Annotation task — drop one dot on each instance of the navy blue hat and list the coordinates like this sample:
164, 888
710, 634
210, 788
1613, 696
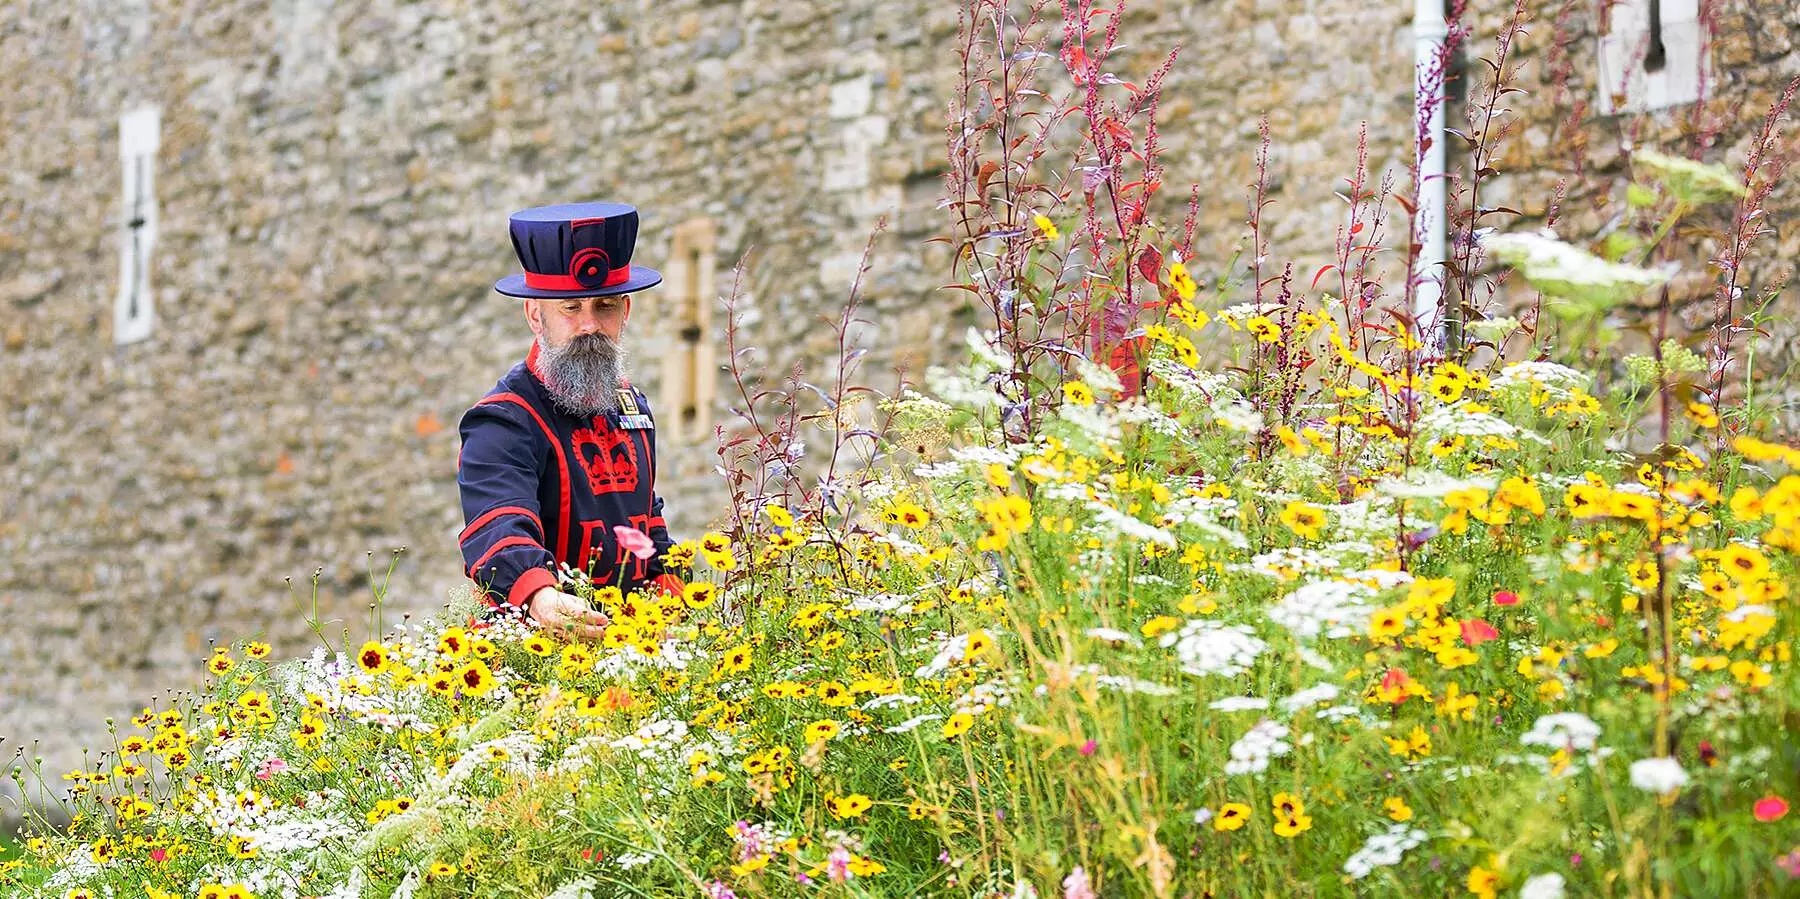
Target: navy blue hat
576, 250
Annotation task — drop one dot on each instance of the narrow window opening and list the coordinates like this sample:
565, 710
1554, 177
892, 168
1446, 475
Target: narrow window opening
1658, 55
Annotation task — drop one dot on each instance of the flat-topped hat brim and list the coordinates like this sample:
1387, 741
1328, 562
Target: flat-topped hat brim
642, 278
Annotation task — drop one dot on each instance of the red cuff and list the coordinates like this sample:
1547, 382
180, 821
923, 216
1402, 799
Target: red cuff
533, 580
670, 584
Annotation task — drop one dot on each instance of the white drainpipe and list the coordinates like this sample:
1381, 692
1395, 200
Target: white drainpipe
1429, 32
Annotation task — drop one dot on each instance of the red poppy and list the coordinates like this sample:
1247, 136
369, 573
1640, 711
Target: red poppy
1506, 598
1476, 632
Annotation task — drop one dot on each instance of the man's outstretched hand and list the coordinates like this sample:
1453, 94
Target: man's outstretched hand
565, 616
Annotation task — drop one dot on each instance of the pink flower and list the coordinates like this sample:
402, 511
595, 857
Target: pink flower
1790, 863
159, 854
838, 865
634, 541
1770, 808
1506, 598
1077, 885
1089, 747
270, 768
718, 890
1476, 632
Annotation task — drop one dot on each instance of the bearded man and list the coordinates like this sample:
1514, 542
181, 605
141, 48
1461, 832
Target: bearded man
558, 461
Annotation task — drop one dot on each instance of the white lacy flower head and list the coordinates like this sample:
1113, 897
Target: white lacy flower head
1383, 850
1560, 380
1252, 751
1492, 328
986, 455
1689, 180
1569, 273
1094, 425
1114, 635
579, 888
1455, 421
910, 723
1099, 377
1124, 684
1334, 608
1237, 415
951, 650
1543, 886
1207, 647
1286, 562
1425, 483
1658, 775
1311, 696
1114, 523
1563, 730
1239, 704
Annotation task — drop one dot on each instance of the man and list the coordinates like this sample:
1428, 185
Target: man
558, 462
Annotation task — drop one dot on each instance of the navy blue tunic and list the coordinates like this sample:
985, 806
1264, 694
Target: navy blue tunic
541, 486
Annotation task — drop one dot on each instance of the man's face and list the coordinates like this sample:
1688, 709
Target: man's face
578, 350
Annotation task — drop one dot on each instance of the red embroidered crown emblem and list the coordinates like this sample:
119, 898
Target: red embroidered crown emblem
609, 458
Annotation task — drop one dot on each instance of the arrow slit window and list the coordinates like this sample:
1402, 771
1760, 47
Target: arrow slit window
139, 138
1652, 56
689, 377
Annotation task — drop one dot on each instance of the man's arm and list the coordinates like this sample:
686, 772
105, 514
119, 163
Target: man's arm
503, 540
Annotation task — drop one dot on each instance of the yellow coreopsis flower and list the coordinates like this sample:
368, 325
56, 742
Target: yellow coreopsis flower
958, 724
1045, 226
1231, 816
1304, 519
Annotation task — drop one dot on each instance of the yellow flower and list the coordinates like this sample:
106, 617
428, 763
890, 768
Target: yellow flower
1484, 882
851, 806
1006, 514
1231, 816
1159, 625
1304, 519
735, 660
1044, 225
1416, 744
997, 475
1386, 624
958, 724
475, 678
1078, 393
372, 657
1288, 828
1745, 563
1265, 329
1183, 282
779, 515
822, 729
699, 594
1397, 808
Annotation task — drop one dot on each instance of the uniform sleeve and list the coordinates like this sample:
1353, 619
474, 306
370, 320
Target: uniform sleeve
659, 528
497, 475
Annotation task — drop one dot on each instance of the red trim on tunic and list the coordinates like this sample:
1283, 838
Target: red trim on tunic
533, 580
494, 513
562, 462
499, 545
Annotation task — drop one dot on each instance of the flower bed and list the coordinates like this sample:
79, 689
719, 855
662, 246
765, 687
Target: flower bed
1351, 615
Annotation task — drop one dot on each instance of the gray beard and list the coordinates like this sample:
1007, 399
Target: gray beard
583, 376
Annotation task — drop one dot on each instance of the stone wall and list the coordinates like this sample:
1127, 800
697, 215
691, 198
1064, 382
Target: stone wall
332, 185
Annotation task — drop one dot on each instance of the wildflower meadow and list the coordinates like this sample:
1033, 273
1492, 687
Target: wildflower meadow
1160, 588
